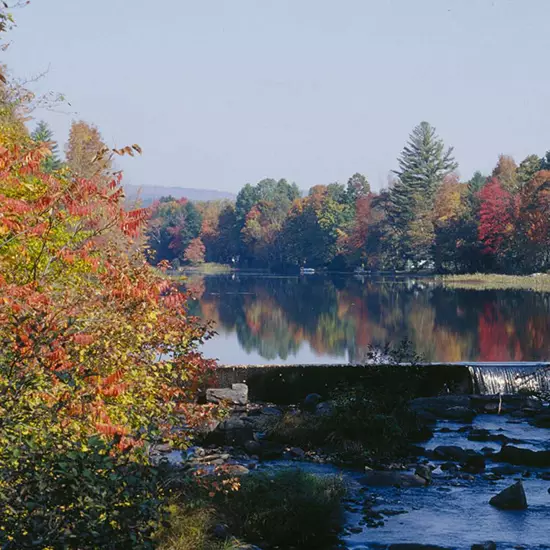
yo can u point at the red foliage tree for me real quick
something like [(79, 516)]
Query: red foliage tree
[(496, 217), (194, 253)]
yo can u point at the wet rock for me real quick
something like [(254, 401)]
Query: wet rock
[(449, 467), (252, 447), (296, 452), (512, 498), (324, 409), (221, 531), (425, 472), (271, 411), (488, 545), (506, 470), (451, 452), (393, 479), (449, 407), (232, 430), (412, 546), (474, 464), (524, 457), (311, 401), (504, 403), (236, 470), (542, 421), (486, 435), (237, 394), (544, 475), (488, 451), (270, 450)]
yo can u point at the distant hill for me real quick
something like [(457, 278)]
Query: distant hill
[(150, 193)]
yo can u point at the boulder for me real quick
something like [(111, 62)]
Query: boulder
[(449, 407), (270, 450), (506, 470), (486, 435), (541, 421), (512, 498), (393, 479), (236, 470), (272, 411), (488, 545), (451, 452), (232, 431), (474, 464), (252, 447), (523, 457), (236, 395), (424, 471), (324, 409), (412, 546), (296, 452), (311, 401)]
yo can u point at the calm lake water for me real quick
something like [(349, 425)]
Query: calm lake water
[(333, 319)]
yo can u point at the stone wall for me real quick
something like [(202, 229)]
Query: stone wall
[(286, 384)]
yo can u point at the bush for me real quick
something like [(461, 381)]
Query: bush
[(72, 495), (290, 508), (363, 424)]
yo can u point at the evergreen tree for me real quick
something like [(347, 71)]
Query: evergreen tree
[(358, 186), (43, 134), (528, 168), (423, 164)]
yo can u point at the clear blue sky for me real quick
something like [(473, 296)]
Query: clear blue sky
[(223, 92)]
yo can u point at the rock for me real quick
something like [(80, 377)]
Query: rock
[(512, 498), (311, 401), (506, 470), (236, 470), (451, 407), (272, 411), (488, 545), (412, 546), (488, 451), (424, 471), (221, 531), (237, 394), (324, 409), (474, 464), (485, 435), (544, 475), (233, 430), (252, 447), (449, 467), (271, 450), (523, 457), (297, 452), (393, 479), (451, 452), (541, 421)]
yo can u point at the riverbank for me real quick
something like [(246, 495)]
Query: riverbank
[(537, 282), (208, 268)]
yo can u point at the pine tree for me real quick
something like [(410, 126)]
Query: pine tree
[(423, 164), (43, 134), (528, 168)]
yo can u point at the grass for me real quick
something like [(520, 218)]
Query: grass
[(492, 281), (208, 268), (288, 509), (189, 528)]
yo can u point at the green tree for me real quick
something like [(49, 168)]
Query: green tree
[(43, 134), (358, 186), (423, 164), (506, 171), (527, 169)]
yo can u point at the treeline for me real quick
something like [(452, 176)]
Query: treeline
[(426, 218)]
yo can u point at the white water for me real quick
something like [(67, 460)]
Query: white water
[(510, 379)]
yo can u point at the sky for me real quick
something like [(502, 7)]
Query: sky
[(219, 93)]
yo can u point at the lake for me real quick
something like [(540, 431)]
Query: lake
[(333, 319)]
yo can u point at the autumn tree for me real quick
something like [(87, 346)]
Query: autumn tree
[(496, 220), (506, 171), (194, 253), (84, 145), (527, 169)]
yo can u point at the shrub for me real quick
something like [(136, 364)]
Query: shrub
[(290, 508), (75, 495)]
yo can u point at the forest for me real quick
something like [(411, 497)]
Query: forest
[(427, 218)]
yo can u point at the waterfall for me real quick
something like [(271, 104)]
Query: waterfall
[(510, 379)]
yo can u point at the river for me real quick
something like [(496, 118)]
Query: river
[(268, 319)]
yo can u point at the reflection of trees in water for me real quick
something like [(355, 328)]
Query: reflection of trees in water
[(275, 316)]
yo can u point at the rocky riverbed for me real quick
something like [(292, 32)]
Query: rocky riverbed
[(439, 496)]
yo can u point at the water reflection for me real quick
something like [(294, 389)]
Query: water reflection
[(278, 319)]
